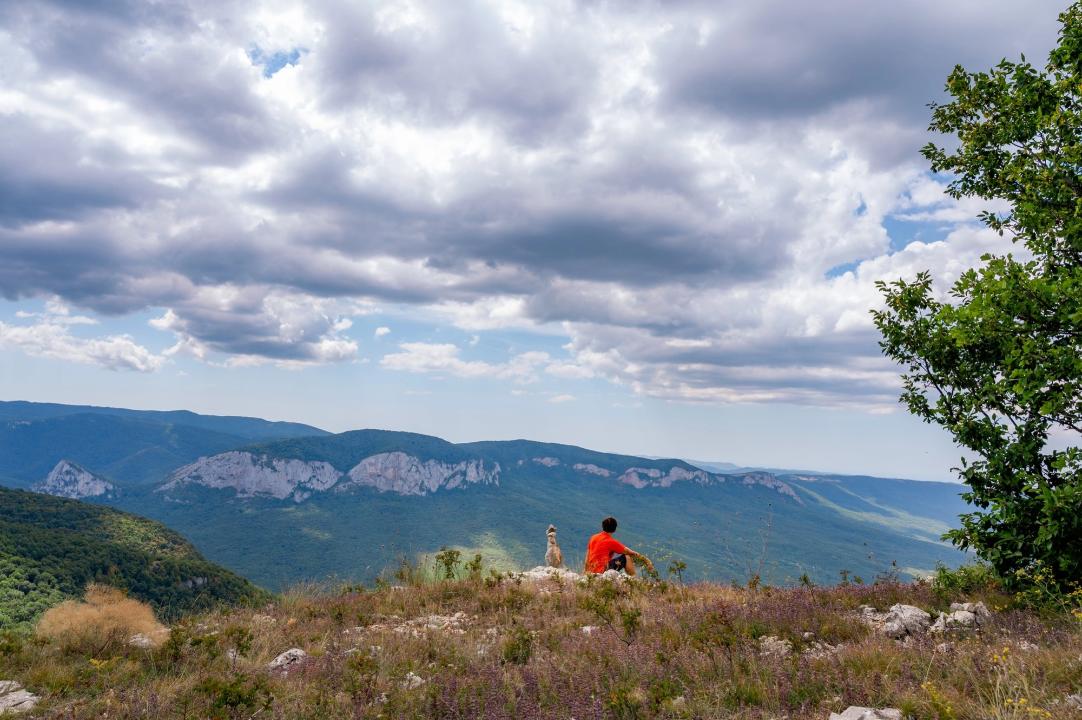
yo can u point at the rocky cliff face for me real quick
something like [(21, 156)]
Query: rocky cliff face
[(652, 477), (405, 474), (70, 480), (251, 475)]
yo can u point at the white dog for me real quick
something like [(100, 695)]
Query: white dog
[(553, 556)]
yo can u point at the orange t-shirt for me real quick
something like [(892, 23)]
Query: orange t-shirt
[(599, 549)]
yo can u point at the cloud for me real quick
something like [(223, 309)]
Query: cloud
[(381, 331), (443, 358), (50, 336), (697, 196), (563, 398)]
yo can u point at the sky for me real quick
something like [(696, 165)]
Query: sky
[(641, 227)]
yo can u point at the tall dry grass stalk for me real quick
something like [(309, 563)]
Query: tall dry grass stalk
[(106, 618)]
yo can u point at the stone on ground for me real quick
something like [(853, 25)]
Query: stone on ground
[(288, 660), (863, 713), (14, 699)]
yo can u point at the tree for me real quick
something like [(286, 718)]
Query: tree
[(999, 364)]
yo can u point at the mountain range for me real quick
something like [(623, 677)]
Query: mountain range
[(282, 502)]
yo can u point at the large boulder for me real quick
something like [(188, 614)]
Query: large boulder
[(904, 620)]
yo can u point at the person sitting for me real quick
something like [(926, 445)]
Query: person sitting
[(604, 552)]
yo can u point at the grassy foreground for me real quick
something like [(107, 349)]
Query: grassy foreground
[(507, 649)]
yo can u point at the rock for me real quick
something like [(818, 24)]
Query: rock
[(412, 681), (1075, 701), (958, 619), (592, 469), (978, 608), (1027, 646), (943, 647), (253, 475), (14, 699), (899, 622), (819, 650), (589, 629), (140, 640), (405, 474), (70, 480), (288, 660), (543, 573), (863, 713), (771, 646), (263, 620)]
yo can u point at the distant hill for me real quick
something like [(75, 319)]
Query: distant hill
[(352, 504), (244, 427), (282, 510), (128, 447), (50, 548)]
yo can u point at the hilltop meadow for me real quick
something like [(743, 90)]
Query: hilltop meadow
[(489, 645)]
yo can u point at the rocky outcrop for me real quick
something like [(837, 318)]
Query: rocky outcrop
[(768, 480), (591, 469), (70, 480), (961, 616), (257, 475), (547, 461), (652, 477), (900, 622), (408, 475)]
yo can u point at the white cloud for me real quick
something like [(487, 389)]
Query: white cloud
[(563, 398), (52, 339), (443, 358), (381, 331)]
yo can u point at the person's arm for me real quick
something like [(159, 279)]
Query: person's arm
[(645, 560)]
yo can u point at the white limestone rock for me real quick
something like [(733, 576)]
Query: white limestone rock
[(71, 480), (863, 713), (289, 660), (256, 476), (962, 616), (15, 699), (770, 646), (591, 469), (639, 478), (543, 573), (412, 681), (900, 622), (405, 474), (547, 461)]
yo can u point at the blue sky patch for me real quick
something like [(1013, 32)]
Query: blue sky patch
[(275, 61)]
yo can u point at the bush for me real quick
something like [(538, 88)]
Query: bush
[(518, 647), (103, 621), (964, 581)]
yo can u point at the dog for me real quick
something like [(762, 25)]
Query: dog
[(554, 557)]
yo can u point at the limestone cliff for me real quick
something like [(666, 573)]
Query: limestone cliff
[(70, 480), (408, 475), (257, 476)]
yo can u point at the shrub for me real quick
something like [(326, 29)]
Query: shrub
[(964, 581), (518, 647), (103, 621)]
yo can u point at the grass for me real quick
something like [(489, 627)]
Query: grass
[(518, 650)]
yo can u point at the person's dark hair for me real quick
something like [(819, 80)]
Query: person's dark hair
[(609, 524)]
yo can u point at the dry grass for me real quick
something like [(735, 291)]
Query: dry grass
[(105, 619), (660, 651)]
